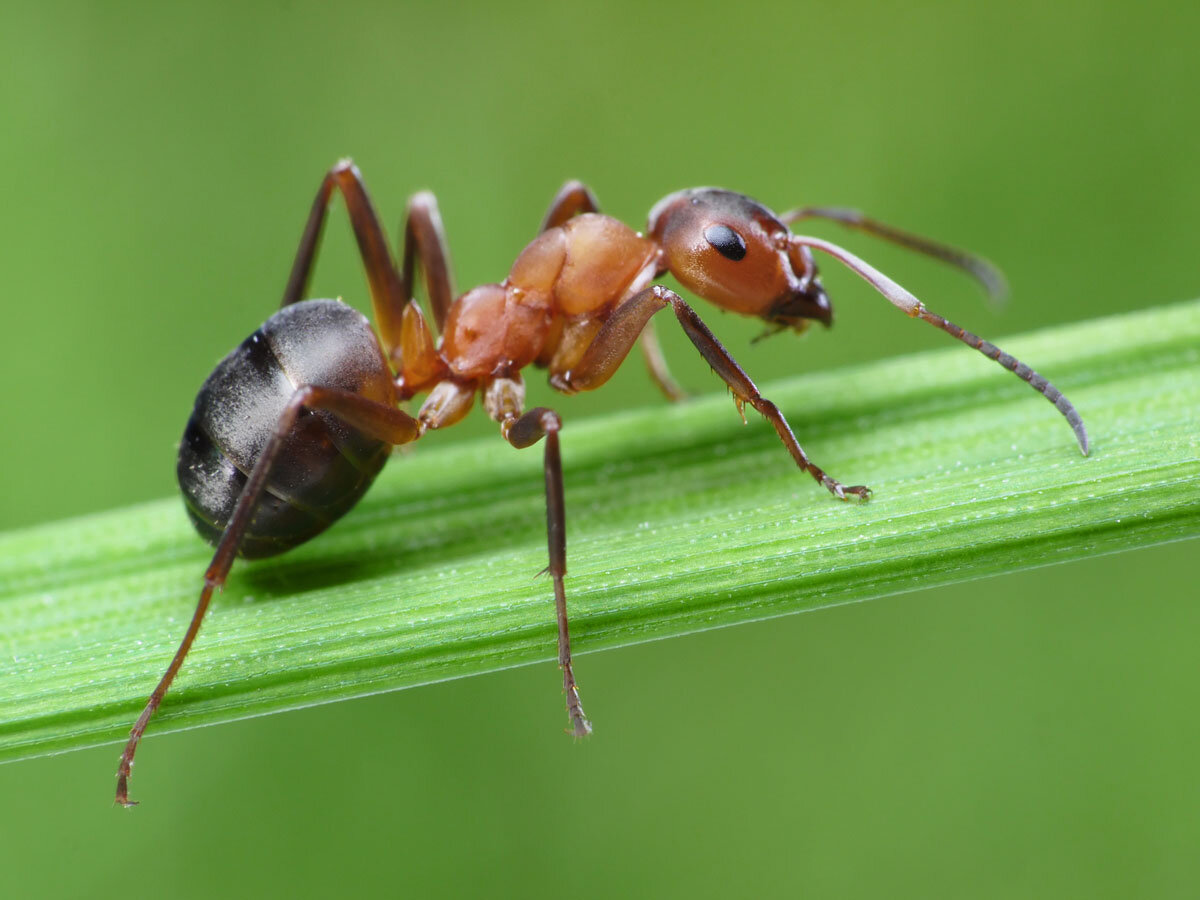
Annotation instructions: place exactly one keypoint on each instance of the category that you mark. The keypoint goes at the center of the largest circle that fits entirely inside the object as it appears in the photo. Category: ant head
(735, 252)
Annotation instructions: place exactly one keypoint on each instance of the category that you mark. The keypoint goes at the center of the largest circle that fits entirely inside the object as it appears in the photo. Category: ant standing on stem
(292, 427)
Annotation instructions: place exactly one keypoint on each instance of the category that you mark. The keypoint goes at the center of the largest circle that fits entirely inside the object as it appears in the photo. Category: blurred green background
(1033, 735)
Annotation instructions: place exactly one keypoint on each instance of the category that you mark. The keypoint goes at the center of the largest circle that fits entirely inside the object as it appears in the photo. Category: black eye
(726, 241)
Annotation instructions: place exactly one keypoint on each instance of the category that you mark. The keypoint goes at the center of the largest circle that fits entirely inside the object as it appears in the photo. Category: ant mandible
(292, 427)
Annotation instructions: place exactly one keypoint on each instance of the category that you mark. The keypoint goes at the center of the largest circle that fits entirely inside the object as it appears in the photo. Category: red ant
(292, 427)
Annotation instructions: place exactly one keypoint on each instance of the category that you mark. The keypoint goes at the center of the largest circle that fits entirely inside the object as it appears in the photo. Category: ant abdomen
(324, 466)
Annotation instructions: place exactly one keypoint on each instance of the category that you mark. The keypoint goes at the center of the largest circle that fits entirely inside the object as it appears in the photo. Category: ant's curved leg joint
(387, 293)
(424, 239)
(572, 198)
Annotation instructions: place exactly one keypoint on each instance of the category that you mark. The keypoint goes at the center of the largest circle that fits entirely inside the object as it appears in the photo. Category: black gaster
(324, 467)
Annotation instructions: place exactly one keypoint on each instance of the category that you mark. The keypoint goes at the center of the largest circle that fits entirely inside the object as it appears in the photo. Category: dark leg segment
(977, 267)
(614, 340)
(524, 431)
(425, 239)
(745, 391)
(387, 293)
(383, 422)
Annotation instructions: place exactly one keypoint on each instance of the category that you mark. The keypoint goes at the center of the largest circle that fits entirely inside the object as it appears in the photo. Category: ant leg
(614, 340)
(656, 364)
(388, 295)
(503, 398)
(383, 422)
(573, 197)
(425, 240)
(576, 197)
(977, 267)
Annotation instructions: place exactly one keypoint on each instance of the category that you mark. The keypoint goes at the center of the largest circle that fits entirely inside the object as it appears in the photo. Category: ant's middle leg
(504, 398)
(656, 365)
(614, 340)
(387, 292)
(424, 239)
(572, 198)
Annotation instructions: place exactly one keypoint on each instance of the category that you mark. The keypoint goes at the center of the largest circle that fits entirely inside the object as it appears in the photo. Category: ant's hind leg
(503, 398)
(375, 419)
(615, 339)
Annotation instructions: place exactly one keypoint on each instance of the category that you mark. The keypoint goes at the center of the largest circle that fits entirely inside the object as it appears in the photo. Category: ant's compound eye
(726, 241)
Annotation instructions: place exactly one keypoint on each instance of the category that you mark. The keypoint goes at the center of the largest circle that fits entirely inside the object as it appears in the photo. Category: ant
(291, 428)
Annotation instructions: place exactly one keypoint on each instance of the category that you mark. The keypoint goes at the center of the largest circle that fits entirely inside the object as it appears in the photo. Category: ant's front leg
(573, 198)
(504, 399)
(614, 340)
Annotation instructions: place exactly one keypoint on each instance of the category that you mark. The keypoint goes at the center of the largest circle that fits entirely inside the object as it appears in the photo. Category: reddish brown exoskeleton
(291, 428)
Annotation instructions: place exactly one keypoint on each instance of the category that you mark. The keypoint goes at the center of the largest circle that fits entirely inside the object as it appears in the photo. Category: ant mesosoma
(292, 427)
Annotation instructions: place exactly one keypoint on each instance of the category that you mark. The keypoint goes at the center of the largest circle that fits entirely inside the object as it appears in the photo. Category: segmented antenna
(903, 300)
(1018, 368)
(977, 267)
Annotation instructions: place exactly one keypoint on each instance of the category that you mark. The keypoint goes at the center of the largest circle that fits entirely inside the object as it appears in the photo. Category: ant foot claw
(861, 491)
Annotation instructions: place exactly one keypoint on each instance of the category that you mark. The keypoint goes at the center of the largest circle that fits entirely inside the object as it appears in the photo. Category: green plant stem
(679, 519)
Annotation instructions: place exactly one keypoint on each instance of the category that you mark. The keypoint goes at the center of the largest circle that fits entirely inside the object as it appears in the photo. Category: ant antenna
(984, 272)
(903, 300)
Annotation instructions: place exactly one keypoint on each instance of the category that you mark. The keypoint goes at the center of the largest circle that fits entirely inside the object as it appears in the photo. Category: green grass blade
(679, 519)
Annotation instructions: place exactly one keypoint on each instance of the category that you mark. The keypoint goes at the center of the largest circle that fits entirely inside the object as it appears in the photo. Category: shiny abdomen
(324, 466)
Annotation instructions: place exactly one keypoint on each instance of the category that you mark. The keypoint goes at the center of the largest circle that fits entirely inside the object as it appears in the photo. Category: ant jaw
(800, 307)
